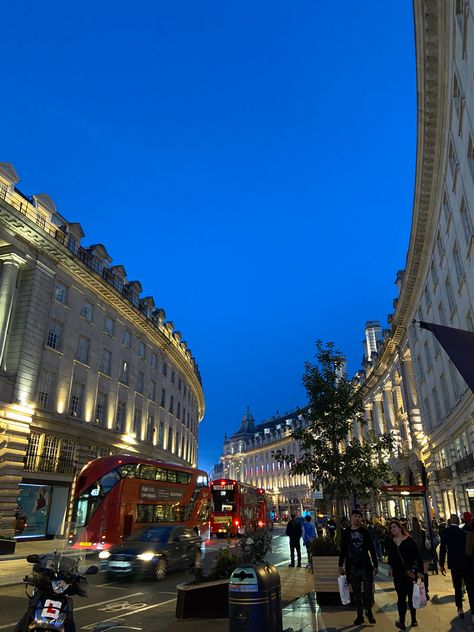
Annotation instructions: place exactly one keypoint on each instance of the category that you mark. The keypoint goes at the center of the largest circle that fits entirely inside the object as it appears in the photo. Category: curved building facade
(88, 367)
(432, 411)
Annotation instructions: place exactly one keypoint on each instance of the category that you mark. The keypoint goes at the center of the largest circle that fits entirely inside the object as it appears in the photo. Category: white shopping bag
(419, 595)
(344, 590)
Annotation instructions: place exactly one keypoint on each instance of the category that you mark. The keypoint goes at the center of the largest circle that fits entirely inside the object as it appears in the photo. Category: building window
(177, 445)
(172, 377)
(120, 416)
(46, 389)
(87, 311)
(125, 372)
(152, 391)
(150, 428)
(55, 335)
(178, 410)
(61, 292)
(105, 362)
(429, 363)
(450, 296)
(164, 369)
(457, 263)
(141, 350)
(440, 248)
(434, 276)
(101, 408)
(470, 155)
(140, 382)
(469, 321)
(161, 435)
(442, 315)
(68, 451)
(127, 339)
(50, 448)
(184, 416)
(82, 349)
(427, 298)
(171, 408)
(170, 440)
(153, 361)
(453, 372)
(163, 398)
(137, 420)
(109, 325)
(466, 221)
(77, 399)
(445, 394)
(437, 408)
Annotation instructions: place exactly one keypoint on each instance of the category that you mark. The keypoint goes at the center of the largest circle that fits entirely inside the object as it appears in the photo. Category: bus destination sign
(222, 487)
(149, 492)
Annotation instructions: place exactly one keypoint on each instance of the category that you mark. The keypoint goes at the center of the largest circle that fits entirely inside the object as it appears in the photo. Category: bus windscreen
(223, 497)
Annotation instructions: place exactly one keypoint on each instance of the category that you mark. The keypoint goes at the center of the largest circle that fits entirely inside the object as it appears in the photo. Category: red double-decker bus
(238, 508)
(116, 494)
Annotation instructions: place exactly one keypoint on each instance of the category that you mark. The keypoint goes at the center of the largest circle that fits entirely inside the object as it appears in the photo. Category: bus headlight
(104, 555)
(146, 557)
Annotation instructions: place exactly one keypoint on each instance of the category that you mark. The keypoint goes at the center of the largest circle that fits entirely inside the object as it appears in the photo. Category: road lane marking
(128, 614)
(101, 603)
(110, 586)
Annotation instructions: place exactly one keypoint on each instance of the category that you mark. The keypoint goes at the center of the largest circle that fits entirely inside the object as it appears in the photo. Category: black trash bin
(255, 599)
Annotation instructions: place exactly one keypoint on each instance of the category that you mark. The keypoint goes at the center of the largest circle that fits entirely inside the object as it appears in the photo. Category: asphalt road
(125, 604)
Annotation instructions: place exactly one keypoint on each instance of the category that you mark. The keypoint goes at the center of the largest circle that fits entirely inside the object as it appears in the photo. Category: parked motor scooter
(55, 580)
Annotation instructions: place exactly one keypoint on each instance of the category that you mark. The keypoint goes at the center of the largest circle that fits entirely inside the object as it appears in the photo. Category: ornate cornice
(432, 40)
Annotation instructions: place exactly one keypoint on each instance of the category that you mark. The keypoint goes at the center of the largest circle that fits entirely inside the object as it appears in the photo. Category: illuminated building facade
(87, 366)
(248, 458)
(431, 409)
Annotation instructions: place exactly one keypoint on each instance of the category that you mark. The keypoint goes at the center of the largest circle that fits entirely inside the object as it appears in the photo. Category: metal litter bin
(255, 599)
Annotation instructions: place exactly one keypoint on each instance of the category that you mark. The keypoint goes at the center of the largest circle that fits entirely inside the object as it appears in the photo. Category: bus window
(128, 471)
(171, 476)
(161, 474)
(108, 481)
(148, 472)
(183, 477)
(223, 500)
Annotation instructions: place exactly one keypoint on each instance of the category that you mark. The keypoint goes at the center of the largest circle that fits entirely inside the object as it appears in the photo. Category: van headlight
(104, 555)
(146, 557)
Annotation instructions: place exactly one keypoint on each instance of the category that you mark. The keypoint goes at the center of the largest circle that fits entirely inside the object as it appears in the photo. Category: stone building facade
(412, 386)
(248, 457)
(88, 367)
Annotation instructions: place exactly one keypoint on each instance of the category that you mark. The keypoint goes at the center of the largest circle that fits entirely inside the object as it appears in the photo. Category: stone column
(378, 416)
(414, 418)
(368, 408)
(11, 265)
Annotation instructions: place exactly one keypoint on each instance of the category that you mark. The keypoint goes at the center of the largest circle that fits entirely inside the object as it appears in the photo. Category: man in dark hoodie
(360, 560)
(294, 532)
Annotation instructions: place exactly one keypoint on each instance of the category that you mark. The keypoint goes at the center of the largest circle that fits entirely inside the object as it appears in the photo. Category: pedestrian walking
(454, 540)
(357, 559)
(405, 565)
(309, 533)
(467, 520)
(423, 542)
(294, 532)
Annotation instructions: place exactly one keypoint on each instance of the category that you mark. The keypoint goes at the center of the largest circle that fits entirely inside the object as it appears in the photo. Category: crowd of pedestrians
(408, 547)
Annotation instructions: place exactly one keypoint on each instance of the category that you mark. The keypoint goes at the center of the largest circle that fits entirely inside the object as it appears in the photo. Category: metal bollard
(255, 599)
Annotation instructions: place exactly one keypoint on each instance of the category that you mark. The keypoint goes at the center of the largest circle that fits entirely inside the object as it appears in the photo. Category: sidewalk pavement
(301, 612)
(14, 567)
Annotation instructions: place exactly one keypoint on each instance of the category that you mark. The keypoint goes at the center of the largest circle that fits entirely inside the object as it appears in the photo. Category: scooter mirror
(92, 570)
(33, 559)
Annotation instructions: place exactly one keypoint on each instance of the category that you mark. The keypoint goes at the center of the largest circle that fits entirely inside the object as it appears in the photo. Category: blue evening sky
(250, 162)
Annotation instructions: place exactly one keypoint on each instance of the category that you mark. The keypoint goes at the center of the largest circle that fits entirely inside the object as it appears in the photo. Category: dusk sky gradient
(250, 162)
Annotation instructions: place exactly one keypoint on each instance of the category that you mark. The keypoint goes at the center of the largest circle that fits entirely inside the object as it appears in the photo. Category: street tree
(330, 452)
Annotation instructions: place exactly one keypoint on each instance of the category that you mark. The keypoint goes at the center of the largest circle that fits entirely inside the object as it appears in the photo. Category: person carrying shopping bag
(406, 565)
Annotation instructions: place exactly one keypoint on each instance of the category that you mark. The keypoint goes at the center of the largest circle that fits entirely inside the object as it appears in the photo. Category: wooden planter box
(208, 600)
(326, 572)
(7, 546)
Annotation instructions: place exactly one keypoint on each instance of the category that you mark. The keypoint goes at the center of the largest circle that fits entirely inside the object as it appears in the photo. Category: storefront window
(32, 511)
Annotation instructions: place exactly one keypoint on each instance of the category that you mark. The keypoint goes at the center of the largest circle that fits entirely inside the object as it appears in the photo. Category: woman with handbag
(405, 564)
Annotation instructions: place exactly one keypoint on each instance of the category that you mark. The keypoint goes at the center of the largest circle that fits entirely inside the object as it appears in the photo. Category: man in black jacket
(454, 539)
(294, 532)
(361, 565)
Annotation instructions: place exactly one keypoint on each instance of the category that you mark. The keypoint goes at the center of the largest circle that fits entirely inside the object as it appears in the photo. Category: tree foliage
(337, 463)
